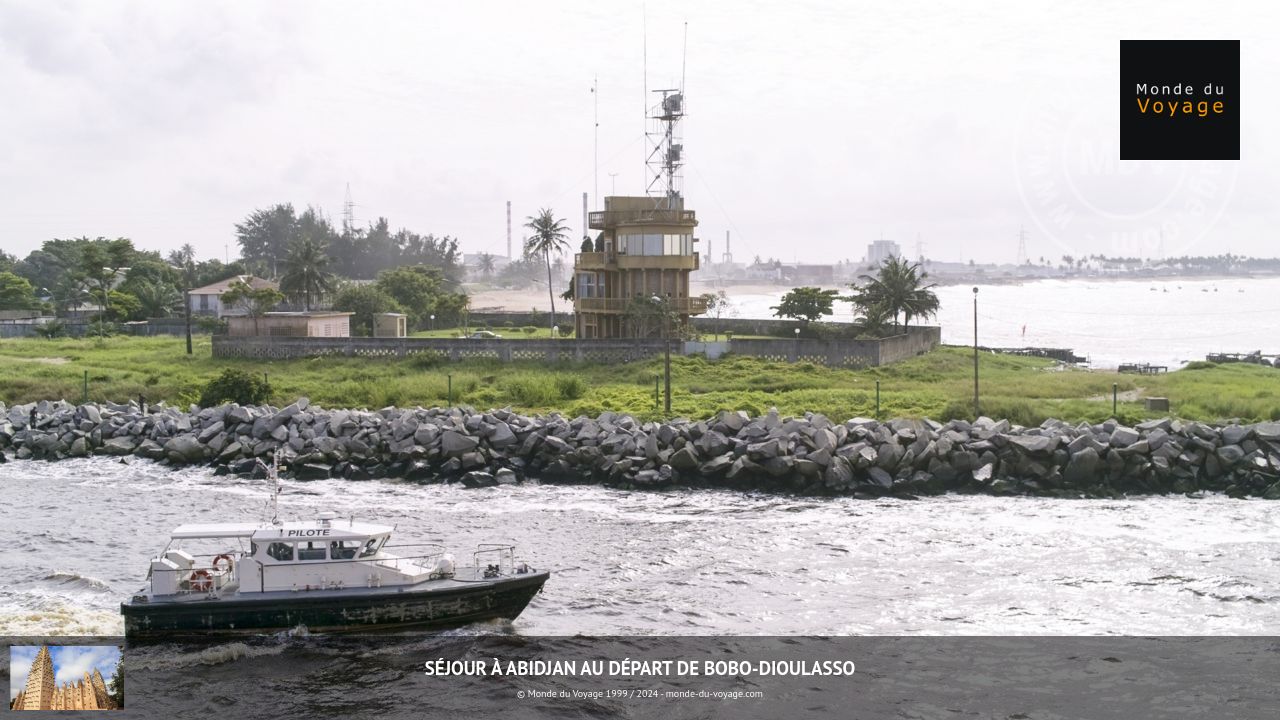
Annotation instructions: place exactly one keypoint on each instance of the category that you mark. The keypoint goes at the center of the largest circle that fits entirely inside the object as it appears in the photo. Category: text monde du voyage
(1180, 100)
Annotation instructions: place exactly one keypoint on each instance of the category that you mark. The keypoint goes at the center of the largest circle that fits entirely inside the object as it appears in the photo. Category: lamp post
(666, 354)
(976, 412)
(796, 347)
(433, 323)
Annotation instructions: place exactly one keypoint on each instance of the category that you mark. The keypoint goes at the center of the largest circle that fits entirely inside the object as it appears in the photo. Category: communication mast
(666, 148)
(1022, 246)
(348, 213)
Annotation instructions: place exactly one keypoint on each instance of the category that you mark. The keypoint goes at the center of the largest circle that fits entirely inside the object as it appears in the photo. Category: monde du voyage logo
(1179, 99)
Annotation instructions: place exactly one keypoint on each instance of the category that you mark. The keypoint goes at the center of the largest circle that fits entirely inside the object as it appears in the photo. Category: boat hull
(431, 606)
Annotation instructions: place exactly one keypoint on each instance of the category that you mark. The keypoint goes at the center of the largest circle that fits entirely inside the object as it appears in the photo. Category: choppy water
(1163, 322)
(78, 534)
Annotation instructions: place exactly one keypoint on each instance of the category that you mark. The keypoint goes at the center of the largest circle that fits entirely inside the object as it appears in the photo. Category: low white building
(207, 300)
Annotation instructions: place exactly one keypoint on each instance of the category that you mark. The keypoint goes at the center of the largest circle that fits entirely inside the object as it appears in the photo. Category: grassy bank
(937, 385)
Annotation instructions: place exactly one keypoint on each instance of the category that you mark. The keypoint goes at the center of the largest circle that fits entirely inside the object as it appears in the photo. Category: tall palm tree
(895, 290)
(549, 235)
(159, 300)
(486, 264)
(306, 273)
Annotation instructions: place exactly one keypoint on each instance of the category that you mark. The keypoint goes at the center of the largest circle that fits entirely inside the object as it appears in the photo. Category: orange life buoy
(201, 581)
(220, 558)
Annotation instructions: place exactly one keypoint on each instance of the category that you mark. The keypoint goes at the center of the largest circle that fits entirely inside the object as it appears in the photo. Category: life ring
(201, 581)
(230, 562)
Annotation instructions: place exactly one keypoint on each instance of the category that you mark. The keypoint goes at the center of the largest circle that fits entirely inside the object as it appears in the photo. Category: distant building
(809, 274)
(769, 270)
(647, 252)
(880, 250)
(207, 300)
(390, 325)
(292, 324)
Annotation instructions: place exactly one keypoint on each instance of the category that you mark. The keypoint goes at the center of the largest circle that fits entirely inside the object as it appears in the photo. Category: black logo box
(1191, 65)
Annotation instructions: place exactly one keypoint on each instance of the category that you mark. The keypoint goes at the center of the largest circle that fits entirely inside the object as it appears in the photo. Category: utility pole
(187, 308)
(976, 412)
(509, 256)
(664, 304)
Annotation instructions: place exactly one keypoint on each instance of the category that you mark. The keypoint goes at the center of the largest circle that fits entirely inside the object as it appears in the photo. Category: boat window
(310, 552)
(343, 549)
(371, 547)
(280, 551)
(253, 548)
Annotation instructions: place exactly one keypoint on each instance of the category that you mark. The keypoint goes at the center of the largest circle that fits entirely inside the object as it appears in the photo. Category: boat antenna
(274, 474)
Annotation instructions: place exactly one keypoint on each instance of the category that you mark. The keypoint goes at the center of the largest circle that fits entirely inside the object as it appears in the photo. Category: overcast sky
(813, 127)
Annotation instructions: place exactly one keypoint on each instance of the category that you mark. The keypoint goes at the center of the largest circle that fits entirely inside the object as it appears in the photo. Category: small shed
(393, 325)
(292, 324)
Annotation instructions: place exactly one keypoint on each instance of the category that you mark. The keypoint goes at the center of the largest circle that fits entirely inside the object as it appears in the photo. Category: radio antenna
(684, 55)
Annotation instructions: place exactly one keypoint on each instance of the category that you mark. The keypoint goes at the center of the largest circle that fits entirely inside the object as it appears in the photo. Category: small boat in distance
(327, 574)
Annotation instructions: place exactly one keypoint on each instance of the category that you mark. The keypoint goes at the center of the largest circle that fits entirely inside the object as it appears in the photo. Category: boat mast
(274, 474)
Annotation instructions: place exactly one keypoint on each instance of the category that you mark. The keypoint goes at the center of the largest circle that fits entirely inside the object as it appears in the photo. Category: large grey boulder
(454, 443)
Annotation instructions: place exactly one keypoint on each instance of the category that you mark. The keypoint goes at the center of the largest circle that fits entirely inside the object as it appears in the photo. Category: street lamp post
(666, 354)
(433, 323)
(976, 412)
(796, 347)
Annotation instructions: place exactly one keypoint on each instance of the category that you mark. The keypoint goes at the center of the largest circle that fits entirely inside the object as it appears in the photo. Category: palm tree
(486, 264)
(896, 290)
(549, 235)
(159, 300)
(182, 257)
(306, 273)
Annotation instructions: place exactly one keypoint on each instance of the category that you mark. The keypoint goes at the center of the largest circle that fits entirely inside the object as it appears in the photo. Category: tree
(264, 236)
(255, 302)
(100, 265)
(549, 236)
(7, 261)
(121, 306)
(897, 289)
(486, 264)
(649, 315)
(717, 306)
(806, 304)
(16, 293)
(183, 256)
(306, 273)
(420, 291)
(365, 301)
(156, 300)
(115, 688)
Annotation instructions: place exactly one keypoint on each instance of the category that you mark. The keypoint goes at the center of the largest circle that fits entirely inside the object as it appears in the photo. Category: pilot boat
(327, 574)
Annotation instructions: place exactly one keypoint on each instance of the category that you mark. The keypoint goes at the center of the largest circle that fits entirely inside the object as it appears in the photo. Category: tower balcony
(615, 261)
(680, 305)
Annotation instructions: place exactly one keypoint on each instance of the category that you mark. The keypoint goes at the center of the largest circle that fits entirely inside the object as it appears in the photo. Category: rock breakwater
(810, 454)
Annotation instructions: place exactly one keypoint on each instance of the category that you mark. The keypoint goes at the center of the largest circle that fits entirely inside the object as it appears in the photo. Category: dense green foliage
(266, 236)
(938, 384)
(897, 288)
(422, 291)
(365, 301)
(236, 386)
(806, 304)
(16, 293)
(306, 271)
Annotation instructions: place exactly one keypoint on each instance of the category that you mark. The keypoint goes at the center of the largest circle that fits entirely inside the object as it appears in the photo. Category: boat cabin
(325, 553)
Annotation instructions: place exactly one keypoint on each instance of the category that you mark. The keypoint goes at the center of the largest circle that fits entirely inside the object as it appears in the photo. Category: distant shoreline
(498, 300)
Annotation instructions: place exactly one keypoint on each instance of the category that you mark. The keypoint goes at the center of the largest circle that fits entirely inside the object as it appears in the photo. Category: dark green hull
(435, 605)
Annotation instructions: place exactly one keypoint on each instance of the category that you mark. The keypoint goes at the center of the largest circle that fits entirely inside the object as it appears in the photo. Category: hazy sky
(813, 127)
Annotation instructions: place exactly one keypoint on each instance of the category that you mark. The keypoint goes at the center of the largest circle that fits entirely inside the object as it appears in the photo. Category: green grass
(937, 385)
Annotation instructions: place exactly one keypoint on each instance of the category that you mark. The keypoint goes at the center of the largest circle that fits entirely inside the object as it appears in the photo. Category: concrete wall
(836, 353)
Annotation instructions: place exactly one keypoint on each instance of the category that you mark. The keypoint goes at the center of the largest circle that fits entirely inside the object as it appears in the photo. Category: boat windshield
(372, 546)
(343, 549)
